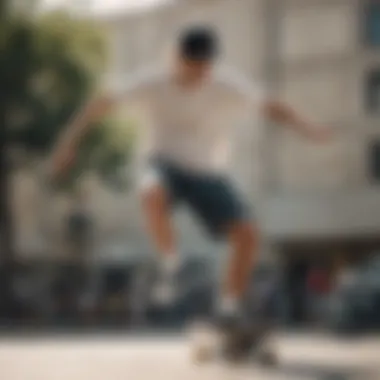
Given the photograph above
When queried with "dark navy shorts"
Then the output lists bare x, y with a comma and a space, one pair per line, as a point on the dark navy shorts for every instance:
212, 198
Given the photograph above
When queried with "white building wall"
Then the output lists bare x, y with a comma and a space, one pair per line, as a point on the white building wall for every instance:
314, 30
321, 74
320, 79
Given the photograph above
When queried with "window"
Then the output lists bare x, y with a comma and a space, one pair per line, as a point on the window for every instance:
374, 160
372, 23
372, 91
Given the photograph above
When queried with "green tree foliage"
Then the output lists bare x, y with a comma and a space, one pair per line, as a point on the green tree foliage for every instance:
48, 68
52, 66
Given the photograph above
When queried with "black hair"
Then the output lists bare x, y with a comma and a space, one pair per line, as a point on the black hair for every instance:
199, 44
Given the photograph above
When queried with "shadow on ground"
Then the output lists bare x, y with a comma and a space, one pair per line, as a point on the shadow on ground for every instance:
325, 372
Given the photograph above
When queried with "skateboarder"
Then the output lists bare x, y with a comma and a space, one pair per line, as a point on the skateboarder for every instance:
191, 106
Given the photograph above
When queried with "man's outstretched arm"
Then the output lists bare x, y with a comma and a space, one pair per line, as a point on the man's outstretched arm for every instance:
272, 109
283, 114
133, 89
68, 143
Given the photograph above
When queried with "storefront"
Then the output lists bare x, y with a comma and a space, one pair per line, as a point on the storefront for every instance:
317, 238
313, 271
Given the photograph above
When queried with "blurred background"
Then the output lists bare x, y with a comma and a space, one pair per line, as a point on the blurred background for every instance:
76, 255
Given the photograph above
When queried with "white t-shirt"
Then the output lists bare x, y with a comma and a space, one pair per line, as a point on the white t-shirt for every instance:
191, 127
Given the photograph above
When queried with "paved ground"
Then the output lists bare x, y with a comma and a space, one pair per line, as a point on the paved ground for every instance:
122, 358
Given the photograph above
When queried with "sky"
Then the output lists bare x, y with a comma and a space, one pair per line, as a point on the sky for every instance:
104, 6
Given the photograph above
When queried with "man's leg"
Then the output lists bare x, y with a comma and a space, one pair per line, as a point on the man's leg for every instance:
156, 208
243, 240
219, 205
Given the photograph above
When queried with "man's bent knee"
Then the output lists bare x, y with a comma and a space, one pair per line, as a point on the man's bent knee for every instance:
155, 198
151, 189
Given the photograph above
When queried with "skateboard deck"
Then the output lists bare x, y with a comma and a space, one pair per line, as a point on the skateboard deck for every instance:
238, 345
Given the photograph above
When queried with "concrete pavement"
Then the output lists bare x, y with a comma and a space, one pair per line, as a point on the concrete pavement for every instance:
303, 357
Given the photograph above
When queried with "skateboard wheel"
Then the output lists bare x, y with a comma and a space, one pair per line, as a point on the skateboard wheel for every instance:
203, 354
268, 359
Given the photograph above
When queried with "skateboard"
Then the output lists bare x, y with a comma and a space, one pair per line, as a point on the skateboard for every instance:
236, 346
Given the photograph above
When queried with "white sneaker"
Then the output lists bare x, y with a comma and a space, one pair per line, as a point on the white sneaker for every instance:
165, 291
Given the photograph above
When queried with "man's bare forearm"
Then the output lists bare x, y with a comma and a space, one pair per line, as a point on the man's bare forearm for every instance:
94, 110
287, 116
283, 114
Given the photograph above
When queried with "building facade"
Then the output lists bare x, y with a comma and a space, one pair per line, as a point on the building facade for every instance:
327, 69
322, 57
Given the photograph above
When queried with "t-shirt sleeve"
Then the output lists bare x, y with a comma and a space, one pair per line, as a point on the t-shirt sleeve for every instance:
133, 88
242, 92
